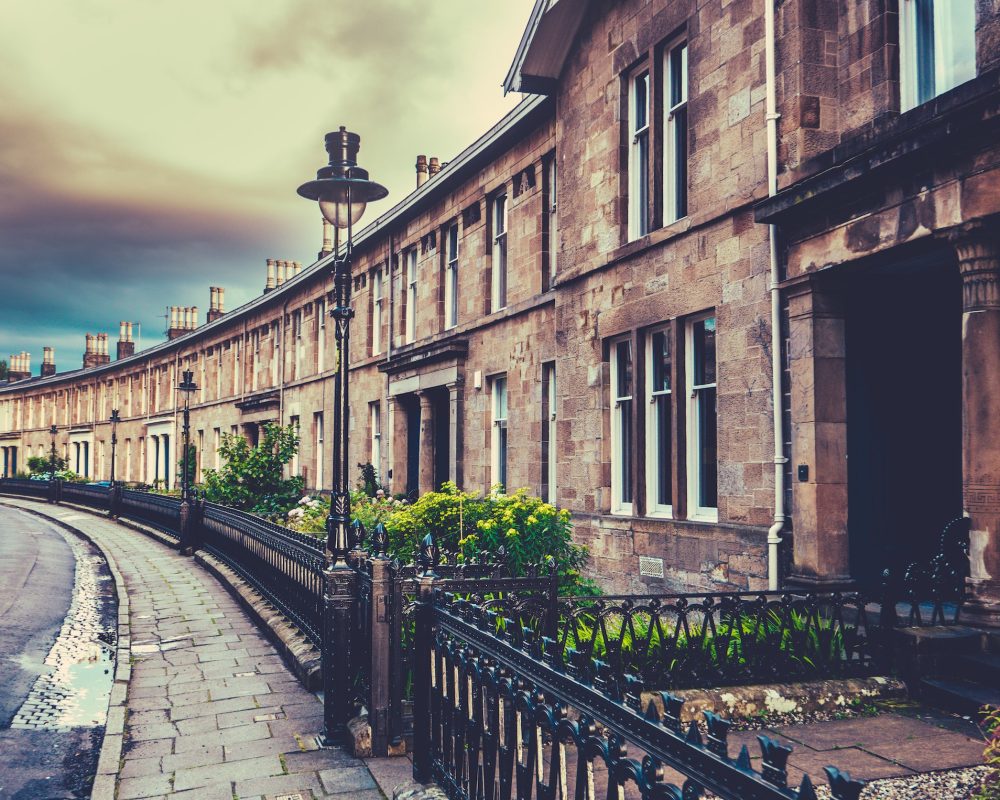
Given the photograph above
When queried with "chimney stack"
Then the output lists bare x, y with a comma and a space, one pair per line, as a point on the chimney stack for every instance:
215, 309
182, 320
48, 362
126, 347
327, 239
97, 350
19, 367
271, 281
434, 167
421, 171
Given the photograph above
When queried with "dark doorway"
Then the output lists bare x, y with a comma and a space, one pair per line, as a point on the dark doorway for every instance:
442, 434
904, 413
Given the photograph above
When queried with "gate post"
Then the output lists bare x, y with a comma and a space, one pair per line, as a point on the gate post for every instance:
423, 649
379, 651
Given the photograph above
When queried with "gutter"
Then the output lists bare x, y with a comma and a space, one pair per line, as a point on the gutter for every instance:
771, 117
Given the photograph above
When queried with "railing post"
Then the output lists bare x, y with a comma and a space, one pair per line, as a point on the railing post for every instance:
379, 653
55, 490
552, 610
114, 501
423, 648
339, 595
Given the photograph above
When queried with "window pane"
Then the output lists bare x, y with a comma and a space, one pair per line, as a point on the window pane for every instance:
664, 441
502, 456
661, 362
707, 450
678, 75
924, 23
955, 43
642, 183
641, 108
623, 368
625, 436
704, 351
680, 132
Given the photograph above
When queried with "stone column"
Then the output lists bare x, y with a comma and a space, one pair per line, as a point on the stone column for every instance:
978, 251
397, 444
819, 436
425, 480
455, 417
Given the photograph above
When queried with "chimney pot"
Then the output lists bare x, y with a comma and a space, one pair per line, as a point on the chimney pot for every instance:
297, 267
434, 167
271, 282
421, 171
194, 317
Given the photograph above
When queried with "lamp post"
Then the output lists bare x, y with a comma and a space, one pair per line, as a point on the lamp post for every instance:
114, 420
342, 189
53, 431
187, 386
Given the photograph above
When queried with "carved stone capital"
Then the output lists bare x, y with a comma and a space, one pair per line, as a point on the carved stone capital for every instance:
978, 249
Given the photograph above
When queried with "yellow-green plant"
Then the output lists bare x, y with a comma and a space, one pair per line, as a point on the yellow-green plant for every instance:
990, 788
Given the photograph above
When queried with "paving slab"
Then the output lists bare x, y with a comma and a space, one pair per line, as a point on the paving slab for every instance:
213, 711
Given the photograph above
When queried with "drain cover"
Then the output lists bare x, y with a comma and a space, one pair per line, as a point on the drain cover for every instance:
304, 794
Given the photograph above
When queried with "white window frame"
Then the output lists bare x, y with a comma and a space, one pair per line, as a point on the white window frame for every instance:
375, 417
452, 248
946, 74
377, 312
696, 511
674, 111
320, 334
318, 447
553, 176
293, 465
549, 381
217, 438
638, 154
621, 466
411, 296
498, 211
654, 508
499, 438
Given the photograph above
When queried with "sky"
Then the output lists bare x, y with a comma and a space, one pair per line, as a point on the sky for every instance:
149, 150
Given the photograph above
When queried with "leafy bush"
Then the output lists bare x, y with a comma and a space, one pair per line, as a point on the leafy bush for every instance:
472, 526
40, 465
990, 789
253, 477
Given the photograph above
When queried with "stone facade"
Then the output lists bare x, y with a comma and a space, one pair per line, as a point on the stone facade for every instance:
434, 347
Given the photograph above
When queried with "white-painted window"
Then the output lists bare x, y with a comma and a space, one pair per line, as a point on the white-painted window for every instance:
375, 456
377, 312
294, 463
702, 422
411, 296
638, 154
659, 423
550, 209
320, 334
318, 447
621, 426
498, 443
451, 278
499, 289
675, 157
217, 439
550, 451
198, 463
937, 48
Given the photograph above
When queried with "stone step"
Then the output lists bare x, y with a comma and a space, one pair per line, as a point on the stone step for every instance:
981, 668
958, 695
940, 640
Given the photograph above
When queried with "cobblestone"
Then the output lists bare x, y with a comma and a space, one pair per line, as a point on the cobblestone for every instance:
73, 692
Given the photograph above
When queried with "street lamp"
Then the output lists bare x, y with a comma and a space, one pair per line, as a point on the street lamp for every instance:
114, 420
53, 431
187, 386
343, 190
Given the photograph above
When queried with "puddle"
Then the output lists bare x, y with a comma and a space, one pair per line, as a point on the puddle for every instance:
76, 677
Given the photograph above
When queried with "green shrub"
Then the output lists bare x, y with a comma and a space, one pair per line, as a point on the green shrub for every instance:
472, 526
41, 465
990, 789
252, 478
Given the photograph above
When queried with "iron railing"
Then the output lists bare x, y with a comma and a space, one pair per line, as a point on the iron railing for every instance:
21, 486
285, 566
155, 510
498, 716
80, 493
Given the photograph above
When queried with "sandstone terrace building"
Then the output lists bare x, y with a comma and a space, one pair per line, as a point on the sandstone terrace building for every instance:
581, 302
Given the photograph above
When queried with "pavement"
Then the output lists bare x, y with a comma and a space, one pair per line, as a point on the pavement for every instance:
212, 712
57, 611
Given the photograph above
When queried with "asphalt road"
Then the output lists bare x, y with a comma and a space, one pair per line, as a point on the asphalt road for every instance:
36, 588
